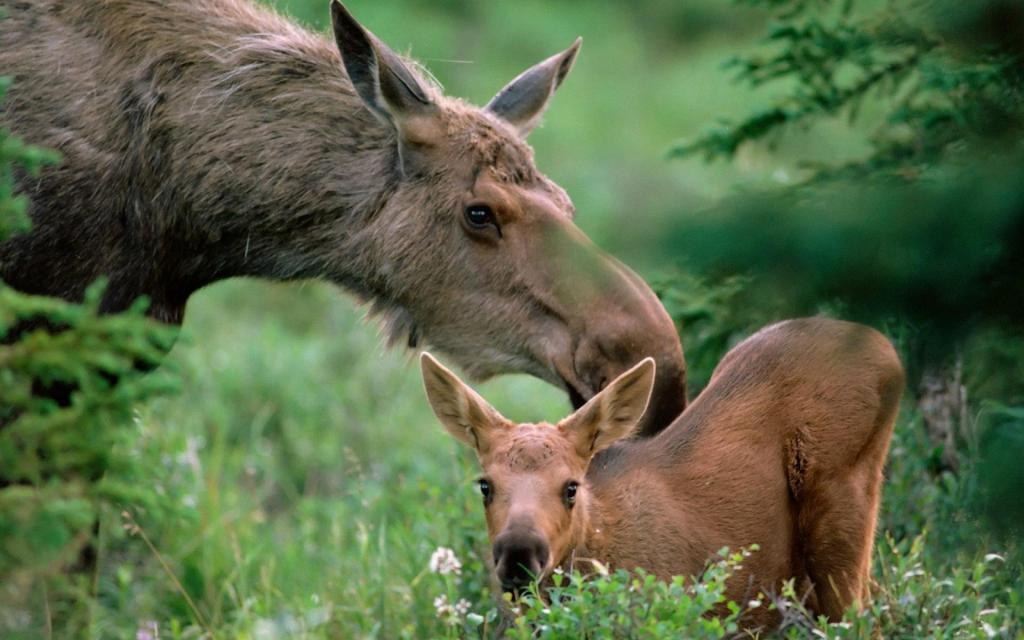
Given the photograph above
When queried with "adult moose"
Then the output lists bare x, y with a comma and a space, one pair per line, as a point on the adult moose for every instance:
207, 139
784, 448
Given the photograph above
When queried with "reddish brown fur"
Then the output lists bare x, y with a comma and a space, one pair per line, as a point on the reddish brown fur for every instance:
784, 448
208, 139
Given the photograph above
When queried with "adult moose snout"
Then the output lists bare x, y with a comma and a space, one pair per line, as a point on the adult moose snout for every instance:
519, 556
629, 325
618, 321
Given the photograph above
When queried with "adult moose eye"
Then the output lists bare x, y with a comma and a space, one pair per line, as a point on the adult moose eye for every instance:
485, 490
480, 216
570, 493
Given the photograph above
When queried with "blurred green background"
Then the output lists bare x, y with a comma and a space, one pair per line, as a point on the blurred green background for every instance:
304, 481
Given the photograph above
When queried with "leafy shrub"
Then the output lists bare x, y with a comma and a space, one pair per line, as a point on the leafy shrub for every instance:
622, 604
909, 600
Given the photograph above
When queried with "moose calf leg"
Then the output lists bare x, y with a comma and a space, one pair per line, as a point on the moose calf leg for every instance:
837, 525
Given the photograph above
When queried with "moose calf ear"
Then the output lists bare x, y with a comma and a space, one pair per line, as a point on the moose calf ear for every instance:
391, 90
462, 412
613, 413
522, 102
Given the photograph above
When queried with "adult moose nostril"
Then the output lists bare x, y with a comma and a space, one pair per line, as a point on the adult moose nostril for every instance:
576, 398
590, 366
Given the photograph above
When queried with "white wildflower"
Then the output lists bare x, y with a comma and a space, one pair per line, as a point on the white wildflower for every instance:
442, 607
444, 562
753, 604
450, 613
558, 571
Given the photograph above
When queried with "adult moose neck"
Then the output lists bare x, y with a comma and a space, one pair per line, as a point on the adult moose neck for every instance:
207, 140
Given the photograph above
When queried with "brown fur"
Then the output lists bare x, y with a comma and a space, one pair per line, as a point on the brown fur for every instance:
208, 139
784, 448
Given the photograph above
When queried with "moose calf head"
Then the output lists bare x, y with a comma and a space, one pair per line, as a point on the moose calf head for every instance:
533, 481
476, 251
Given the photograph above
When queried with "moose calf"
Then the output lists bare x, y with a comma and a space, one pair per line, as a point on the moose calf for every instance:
784, 449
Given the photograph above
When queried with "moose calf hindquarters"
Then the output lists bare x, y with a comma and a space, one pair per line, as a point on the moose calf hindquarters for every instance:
833, 389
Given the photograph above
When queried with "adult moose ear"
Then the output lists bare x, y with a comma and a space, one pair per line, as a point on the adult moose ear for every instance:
613, 413
522, 102
464, 414
388, 87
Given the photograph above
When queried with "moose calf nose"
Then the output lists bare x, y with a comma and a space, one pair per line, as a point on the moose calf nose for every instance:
519, 558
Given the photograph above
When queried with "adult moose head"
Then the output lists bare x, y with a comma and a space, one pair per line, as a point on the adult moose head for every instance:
207, 140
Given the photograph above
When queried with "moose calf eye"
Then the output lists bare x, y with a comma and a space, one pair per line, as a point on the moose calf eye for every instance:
485, 489
570, 492
480, 216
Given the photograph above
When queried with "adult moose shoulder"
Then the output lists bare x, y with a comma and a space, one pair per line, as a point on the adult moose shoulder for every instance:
784, 448
207, 139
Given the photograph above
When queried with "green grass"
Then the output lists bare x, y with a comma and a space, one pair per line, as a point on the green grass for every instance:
309, 475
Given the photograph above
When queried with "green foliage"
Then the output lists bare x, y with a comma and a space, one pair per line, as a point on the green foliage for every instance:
1001, 476
940, 253
633, 605
943, 76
